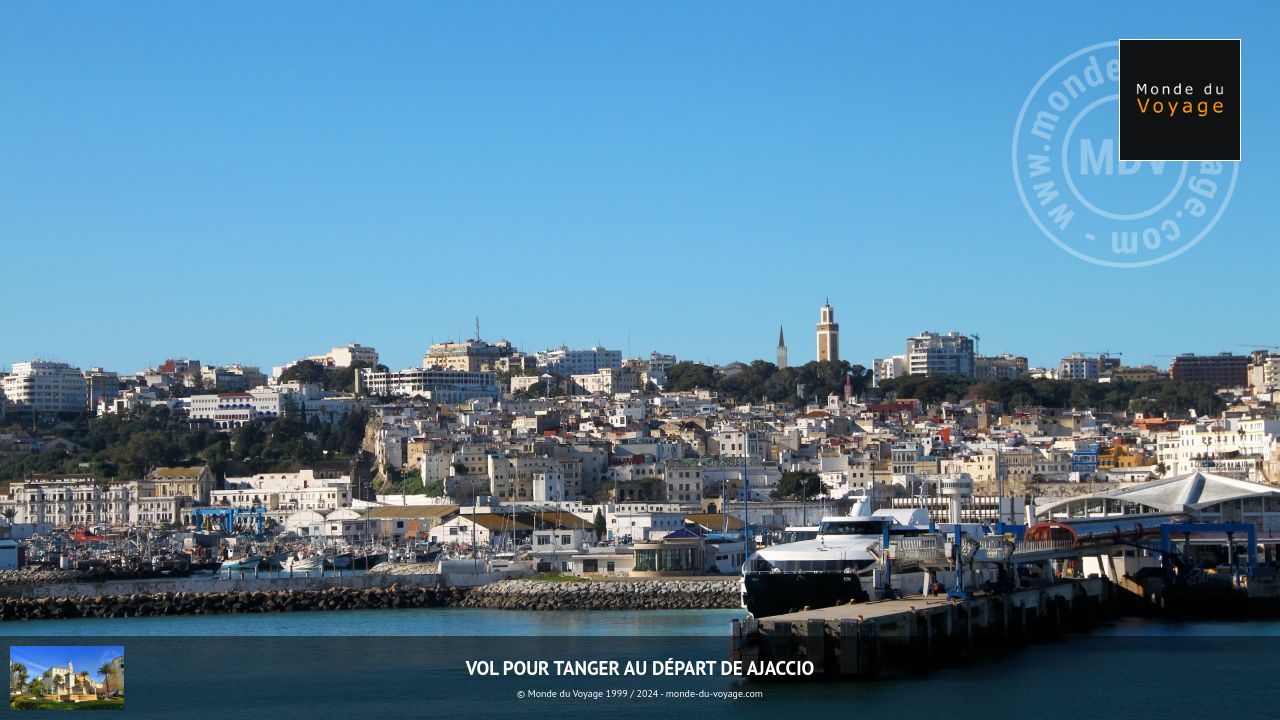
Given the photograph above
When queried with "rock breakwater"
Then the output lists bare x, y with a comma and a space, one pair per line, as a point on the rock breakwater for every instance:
691, 594
528, 595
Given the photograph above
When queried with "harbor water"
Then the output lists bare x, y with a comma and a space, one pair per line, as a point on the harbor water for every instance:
411, 663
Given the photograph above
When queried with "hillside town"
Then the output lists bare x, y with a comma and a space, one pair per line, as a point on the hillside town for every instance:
593, 463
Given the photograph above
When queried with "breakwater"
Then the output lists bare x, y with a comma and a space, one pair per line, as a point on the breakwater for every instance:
209, 603
145, 599
690, 594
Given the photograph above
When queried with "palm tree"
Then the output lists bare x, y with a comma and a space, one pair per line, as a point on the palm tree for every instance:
18, 672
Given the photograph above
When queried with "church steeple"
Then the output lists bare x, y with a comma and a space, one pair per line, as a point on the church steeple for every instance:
782, 350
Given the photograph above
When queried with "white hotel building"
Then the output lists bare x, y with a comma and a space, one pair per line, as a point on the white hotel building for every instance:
45, 386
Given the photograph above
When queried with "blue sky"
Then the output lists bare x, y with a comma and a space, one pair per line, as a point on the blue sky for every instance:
86, 658
247, 182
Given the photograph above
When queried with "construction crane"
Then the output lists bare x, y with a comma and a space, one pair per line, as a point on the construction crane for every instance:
1259, 346
977, 340
1100, 353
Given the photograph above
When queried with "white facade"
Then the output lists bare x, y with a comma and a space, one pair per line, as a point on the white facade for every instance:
445, 386
889, 368
606, 381
1078, 367
45, 386
349, 355
70, 500
1237, 446
548, 486
564, 361
932, 354
232, 409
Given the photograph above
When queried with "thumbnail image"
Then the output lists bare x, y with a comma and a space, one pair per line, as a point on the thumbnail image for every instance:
66, 677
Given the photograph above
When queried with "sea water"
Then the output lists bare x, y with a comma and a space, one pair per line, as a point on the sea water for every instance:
414, 663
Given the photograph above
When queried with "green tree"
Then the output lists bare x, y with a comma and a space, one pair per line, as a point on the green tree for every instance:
19, 673
601, 527
799, 485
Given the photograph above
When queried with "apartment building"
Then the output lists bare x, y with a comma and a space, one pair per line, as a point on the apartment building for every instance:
46, 386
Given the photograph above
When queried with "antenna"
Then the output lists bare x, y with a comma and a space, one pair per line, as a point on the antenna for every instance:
477, 327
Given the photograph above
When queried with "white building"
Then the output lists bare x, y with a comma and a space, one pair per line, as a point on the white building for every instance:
444, 386
932, 354
468, 356
1227, 446
302, 490
348, 355
889, 368
564, 361
605, 381
69, 500
1077, 366
230, 410
46, 386
1264, 372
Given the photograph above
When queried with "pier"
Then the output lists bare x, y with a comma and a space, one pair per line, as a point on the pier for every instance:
1055, 576
859, 640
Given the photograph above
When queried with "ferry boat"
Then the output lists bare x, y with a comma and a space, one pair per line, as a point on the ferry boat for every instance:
828, 569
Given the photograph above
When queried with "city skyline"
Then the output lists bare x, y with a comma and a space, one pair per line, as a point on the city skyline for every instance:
1161, 361
384, 179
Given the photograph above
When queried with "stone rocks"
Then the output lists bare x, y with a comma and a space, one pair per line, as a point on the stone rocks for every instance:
36, 576
390, 568
697, 593
692, 594
206, 603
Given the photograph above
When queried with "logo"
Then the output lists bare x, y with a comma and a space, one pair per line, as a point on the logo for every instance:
1107, 211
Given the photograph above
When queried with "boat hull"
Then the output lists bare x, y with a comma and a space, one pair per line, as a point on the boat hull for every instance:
246, 565
775, 593
296, 565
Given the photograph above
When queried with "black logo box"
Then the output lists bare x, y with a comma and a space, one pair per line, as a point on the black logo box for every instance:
1186, 68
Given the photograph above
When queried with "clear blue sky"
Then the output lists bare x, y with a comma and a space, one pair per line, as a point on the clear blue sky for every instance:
253, 182
86, 658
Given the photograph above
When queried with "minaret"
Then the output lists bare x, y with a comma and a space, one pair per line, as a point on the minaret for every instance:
782, 350
828, 335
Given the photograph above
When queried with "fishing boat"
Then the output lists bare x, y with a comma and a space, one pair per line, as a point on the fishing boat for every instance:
366, 560
302, 563
340, 561
246, 564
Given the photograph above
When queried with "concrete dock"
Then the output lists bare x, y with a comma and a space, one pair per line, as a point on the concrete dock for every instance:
860, 640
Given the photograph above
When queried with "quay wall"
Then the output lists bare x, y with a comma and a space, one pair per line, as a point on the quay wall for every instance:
860, 640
